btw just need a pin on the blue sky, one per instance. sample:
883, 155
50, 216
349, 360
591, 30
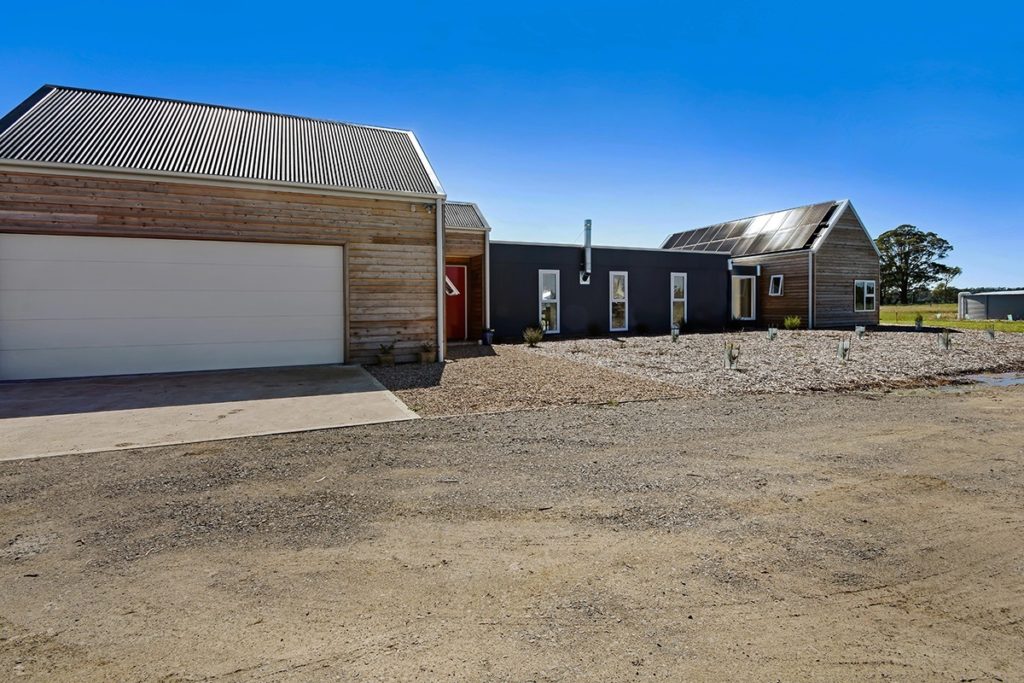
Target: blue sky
645, 117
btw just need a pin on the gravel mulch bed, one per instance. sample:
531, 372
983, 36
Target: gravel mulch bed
797, 361
501, 378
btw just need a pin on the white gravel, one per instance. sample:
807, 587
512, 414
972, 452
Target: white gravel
797, 361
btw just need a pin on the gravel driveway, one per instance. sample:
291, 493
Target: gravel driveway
826, 537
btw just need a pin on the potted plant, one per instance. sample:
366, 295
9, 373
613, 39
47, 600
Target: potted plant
386, 355
918, 322
428, 354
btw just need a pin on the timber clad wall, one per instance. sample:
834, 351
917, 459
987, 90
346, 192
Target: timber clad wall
389, 244
466, 248
846, 255
772, 310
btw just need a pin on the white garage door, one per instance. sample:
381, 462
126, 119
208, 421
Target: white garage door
80, 306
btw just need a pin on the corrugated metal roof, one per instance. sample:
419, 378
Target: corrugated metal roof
463, 215
766, 233
76, 127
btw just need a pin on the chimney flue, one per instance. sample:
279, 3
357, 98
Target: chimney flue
585, 266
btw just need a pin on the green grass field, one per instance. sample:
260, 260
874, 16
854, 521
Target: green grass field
942, 315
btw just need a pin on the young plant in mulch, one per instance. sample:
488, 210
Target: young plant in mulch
773, 332
845, 348
386, 354
918, 322
860, 331
793, 322
732, 356
428, 354
991, 331
533, 336
945, 340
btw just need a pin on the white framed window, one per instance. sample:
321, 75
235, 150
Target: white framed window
744, 306
775, 286
678, 298
549, 286
618, 301
863, 296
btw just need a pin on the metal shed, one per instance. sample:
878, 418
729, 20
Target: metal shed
991, 305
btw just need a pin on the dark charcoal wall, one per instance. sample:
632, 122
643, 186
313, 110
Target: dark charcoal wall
514, 287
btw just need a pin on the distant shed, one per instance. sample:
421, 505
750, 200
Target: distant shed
991, 305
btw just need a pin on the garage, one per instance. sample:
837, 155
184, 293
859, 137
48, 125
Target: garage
74, 306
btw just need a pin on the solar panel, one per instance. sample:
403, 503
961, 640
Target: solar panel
777, 231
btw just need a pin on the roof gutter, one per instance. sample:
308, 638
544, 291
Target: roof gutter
16, 166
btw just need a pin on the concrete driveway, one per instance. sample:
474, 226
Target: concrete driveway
57, 417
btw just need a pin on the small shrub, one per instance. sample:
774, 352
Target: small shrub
793, 322
387, 349
918, 321
533, 336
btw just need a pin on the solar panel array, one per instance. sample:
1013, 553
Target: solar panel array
770, 232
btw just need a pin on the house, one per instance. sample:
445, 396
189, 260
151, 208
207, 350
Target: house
817, 262
578, 290
466, 249
141, 235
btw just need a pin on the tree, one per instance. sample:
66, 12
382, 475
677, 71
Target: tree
910, 261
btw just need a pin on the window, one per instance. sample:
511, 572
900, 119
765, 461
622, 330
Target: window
775, 286
678, 296
550, 319
743, 307
618, 296
863, 295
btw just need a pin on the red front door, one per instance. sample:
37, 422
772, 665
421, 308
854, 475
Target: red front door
455, 302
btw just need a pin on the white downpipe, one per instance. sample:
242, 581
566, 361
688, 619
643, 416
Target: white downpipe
487, 279
439, 213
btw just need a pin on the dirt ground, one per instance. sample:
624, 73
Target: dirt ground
762, 538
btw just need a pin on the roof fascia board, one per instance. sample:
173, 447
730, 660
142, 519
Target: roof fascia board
426, 163
462, 228
605, 246
480, 215
15, 166
25, 107
770, 254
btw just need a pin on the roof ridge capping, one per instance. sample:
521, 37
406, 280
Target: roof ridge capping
51, 127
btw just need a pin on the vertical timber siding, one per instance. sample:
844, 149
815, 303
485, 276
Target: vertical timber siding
390, 245
846, 255
773, 310
466, 248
